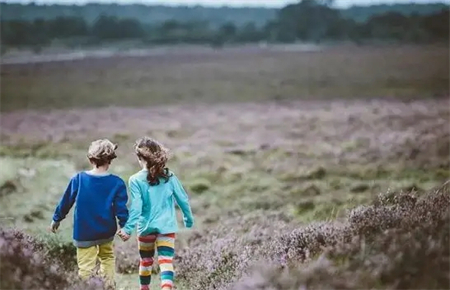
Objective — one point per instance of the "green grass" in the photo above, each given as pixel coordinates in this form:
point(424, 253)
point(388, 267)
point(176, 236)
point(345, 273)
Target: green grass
point(37, 186)
point(38, 178)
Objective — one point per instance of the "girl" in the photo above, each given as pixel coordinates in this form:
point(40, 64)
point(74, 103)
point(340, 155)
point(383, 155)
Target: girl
point(153, 192)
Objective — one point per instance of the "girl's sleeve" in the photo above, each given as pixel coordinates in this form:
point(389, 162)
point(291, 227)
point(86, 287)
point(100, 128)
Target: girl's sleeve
point(135, 208)
point(67, 200)
point(182, 200)
point(120, 204)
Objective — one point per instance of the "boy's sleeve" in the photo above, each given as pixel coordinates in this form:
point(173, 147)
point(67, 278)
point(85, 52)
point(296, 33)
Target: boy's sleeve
point(67, 200)
point(120, 204)
point(182, 200)
point(135, 208)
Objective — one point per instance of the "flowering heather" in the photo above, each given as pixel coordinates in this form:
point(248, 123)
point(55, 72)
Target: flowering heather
point(399, 242)
point(223, 254)
point(27, 263)
point(415, 132)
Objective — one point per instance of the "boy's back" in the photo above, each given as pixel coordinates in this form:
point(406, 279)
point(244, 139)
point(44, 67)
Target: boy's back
point(98, 198)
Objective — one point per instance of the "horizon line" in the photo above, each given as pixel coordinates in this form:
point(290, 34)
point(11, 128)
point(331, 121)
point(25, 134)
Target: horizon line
point(174, 5)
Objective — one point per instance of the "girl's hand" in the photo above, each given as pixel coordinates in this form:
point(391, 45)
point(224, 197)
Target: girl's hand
point(123, 235)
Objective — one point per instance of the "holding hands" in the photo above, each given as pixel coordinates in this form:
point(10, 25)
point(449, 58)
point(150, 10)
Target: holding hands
point(123, 235)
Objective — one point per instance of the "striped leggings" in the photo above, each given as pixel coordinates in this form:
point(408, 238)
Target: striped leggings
point(164, 244)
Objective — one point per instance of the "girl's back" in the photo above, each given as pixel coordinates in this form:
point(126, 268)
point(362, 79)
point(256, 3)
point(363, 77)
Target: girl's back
point(153, 206)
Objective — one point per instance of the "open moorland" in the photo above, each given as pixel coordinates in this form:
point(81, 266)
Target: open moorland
point(306, 170)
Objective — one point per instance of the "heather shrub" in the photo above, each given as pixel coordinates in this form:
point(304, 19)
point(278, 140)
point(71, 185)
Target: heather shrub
point(216, 258)
point(127, 257)
point(23, 265)
point(305, 243)
point(269, 277)
point(400, 242)
point(402, 210)
point(27, 263)
point(63, 251)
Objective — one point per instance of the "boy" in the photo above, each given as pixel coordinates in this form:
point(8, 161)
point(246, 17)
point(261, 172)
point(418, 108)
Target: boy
point(100, 198)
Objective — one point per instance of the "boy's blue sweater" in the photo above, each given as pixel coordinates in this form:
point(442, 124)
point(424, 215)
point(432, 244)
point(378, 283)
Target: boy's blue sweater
point(99, 200)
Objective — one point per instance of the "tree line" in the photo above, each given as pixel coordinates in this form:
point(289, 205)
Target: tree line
point(216, 16)
point(308, 20)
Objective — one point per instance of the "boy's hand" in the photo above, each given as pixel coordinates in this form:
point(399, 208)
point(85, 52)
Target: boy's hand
point(54, 226)
point(123, 235)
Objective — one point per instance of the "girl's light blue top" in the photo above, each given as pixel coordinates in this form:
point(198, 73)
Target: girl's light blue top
point(153, 206)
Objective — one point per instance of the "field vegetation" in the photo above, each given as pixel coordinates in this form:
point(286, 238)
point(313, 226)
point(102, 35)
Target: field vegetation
point(306, 170)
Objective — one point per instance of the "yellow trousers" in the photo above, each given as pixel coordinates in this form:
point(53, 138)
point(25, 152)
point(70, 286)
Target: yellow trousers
point(87, 261)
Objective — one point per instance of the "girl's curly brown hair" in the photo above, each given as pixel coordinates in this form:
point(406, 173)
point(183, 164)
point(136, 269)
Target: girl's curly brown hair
point(155, 156)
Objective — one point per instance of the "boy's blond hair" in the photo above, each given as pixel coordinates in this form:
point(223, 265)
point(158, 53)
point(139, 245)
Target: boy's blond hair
point(102, 152)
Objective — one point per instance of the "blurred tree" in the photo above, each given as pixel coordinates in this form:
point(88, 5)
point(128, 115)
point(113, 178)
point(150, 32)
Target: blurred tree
point(437, 25)
point(130, 28)
point(38, 34)
point(106, 27)
point(227, 32)
point(110, 27)
point(309, 20)
point(155, 15)
point(170, 26)
point(64, 27)
point(250, 33)
point(15, 32)
point(19, 33)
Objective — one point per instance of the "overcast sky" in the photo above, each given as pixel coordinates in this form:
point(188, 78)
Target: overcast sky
point(269, 3)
